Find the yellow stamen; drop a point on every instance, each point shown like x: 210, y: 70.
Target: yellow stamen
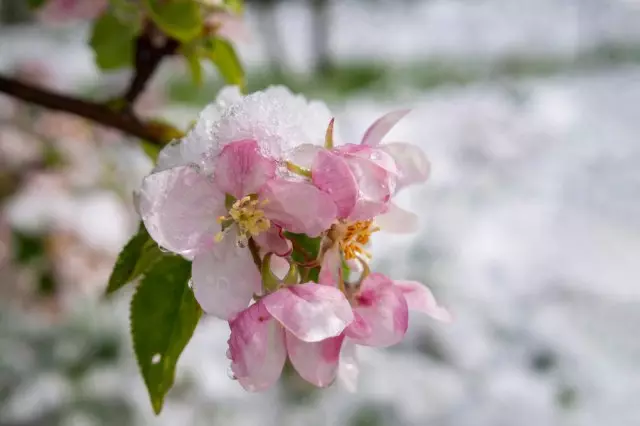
x: 247, y: 214
x: 356, y: 237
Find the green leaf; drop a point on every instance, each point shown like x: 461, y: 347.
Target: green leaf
x: 235, y: 6
x: 180, y: 19
x: 27, y: 247
x: 224, y: 57
x: 305, y: 248
x: 112, y: 42
x: 152, y: 150
x: 195, y: 67
x: 34, y: 4
x: 164, y: 314
x: 140, y: 253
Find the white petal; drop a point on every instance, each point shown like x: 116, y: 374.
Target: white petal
x: 179, y: 207
x: 411, y: 162
x: 398, y: 220
x: 316, y: 362
x: 225, y: 279
x: 348, y: 370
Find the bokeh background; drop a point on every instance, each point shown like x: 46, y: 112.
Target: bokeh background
x: 530, y: 232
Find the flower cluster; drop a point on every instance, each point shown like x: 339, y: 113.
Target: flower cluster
x: 235, y: 196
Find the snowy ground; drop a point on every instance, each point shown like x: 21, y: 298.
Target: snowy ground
x: 530, y: 235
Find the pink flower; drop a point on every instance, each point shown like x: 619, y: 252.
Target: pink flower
x: 381, y: 316
x: 305, y: 321
x: 58, y: 11
x: 210, y: 209
x: 361, y: 179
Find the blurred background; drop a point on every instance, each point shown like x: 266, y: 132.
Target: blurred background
x: 530, y: 233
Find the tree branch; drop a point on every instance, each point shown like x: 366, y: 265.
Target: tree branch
x: 147, y: 58
x: 99, y: 113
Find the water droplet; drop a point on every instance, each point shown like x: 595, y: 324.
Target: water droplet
x: 156, y: 358
x: 164, y: 250
x: 229, y: 353
x: 190, y: 284
x: 230, y: 373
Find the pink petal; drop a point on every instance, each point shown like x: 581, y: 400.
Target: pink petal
x: 298, y: 207
x: 377, y: 156
x: 310, y: 311
x: 398, y: 220
x: 241, y: 170
x: 331, y: 268
x: 375, y: 185
x: 316, y: 362
x: 179, y: 207
x: 225, y: 279
x: 378, y: 130
x: 256, y: 348
x: 381, y: 311
x: 273, y: 241
x: 348, y: 370
x: 420, y: 298
x: 413, y: 165
x: 331, y: 173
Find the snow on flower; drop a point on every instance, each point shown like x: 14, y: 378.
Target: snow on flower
x: 253, y: 175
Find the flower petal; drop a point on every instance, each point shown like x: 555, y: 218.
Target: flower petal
x: 331, y: 173
x: 331, y: 268
x: 398, y: 220
x: 375, y: 186
x: 304, y: 155
x: 179, y: 207
x: 378, y: 130
x: 241, y: 169
x: 256, y: 348
x: 348, y: 370
x: 316, y: 362
x: 224, y: 279
x: 272, y: 241
x: 381, y: 311
x: 413, y: 165
x: 420, y: 298
x: 298, y: 207
x: 310, y: 311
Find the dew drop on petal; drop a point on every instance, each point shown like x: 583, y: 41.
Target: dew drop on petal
x: 228, y: 353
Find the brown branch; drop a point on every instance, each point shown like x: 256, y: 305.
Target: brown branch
x: 147, y: 59
x: 99, y: 113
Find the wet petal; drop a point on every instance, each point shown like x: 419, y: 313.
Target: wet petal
x: 316, y: 362
x: 179, y: 207
x: 311, y: 312
x: 257, y: 348
x: 272, y: 241
x: 381, y: 311
x: 304, y: 155
x: 298, y: 207
x: 378, y: 130
x: 348, y: 369
x: 331, y: 268
x: 413, y: 165
x: 420, y: 298
x: 398, y: 220
x: 375, y: 185
x: 225, y: 279
x: 241, y: 169
x: 332, y: 174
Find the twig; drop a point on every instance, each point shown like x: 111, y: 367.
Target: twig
x: 123, y: 121
x: 147, y: 58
